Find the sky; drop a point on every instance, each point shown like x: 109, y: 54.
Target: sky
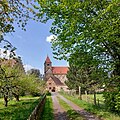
x: 33, y: 45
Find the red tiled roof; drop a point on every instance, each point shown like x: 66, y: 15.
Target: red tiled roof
x: 59, y: 70
x: 47, y: 60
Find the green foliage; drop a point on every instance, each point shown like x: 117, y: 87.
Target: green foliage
x: 32, y: 85
x: 117, y: 98
x: 14, y: 81
x: 112, y: 101
x: 87, y: 34
x: 48, y: 93
x: 15, y: 11
x: 35, y: 72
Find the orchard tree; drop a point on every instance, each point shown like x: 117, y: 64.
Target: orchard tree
x: 33, y: 85
x: 11, y: 72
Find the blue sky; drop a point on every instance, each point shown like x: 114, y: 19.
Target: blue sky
x: 32, y: 45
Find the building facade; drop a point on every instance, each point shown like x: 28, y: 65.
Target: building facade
x: 55, y: 76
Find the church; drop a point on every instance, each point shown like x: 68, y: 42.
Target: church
x: 55, y: 76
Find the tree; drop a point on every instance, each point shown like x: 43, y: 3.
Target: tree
x: 33, y: 85
x: 35, y: 72
x: 85, y: 72
x: 11, y: 71
x: 89, y: 25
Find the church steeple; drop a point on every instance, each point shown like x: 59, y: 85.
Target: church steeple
x: 48, y: 60
x: 47, y: 65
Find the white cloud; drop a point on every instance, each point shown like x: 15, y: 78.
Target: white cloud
x: 28, y: 67
x: 51, y: 38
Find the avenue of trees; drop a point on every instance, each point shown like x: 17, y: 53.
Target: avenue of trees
x: 88, y: 37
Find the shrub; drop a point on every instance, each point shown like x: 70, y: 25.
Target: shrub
x: 112, y: 101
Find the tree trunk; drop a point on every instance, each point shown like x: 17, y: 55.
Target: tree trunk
x: 94, y: 97
x: 80, y: 95
x: 5, y: 100
x: 17, y: 97
x: 86, y: 96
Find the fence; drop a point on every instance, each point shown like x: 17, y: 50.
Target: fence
x: 38, y: 110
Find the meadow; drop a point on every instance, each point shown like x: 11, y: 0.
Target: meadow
x: 18, y: 110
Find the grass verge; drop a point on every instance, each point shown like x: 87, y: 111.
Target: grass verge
x: 99, y: 111
x: 71, y: 114
x: 18, y: 110
x: 48, y: 109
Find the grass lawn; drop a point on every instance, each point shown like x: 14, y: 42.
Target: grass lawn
x: 18, y: 110
x: 90, y: 98
x: 48, y: 109
x: 99, y: 111
x: 72, y: 114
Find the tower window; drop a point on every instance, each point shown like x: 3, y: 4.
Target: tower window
x: 48, y: 64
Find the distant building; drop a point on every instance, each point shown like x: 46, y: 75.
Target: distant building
x: 55, y: 76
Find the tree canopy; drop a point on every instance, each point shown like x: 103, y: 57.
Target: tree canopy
x: 15, y: 11
x: 87, y: 27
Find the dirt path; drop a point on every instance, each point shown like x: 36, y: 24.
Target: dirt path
x: 59, y: 113
x: 84, y: 113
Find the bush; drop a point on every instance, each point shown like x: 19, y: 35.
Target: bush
x: 117, y: 98
x: 112, y: 101
x: 48, y: 93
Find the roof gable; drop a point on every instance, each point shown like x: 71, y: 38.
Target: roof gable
x: 56, y: 81
x: 59, y: 70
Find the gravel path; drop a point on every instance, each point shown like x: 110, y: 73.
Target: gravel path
x: 59, y: 113
x: 82, y: 112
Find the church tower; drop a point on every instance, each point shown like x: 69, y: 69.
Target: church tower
x: 47, y: 68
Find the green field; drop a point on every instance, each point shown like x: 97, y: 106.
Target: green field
x: 18, y: 110
x: 90, y: 98
x: 98, y: 110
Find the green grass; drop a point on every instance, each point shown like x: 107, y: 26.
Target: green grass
x: 90, y: 98
x: 99, y: 111
x: 71, y: 114
x: 18, y: 110
x: 48, y: 109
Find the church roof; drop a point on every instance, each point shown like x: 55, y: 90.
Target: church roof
x: 59, y: 70
x: 57, y: 81
x: 47, y: 60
